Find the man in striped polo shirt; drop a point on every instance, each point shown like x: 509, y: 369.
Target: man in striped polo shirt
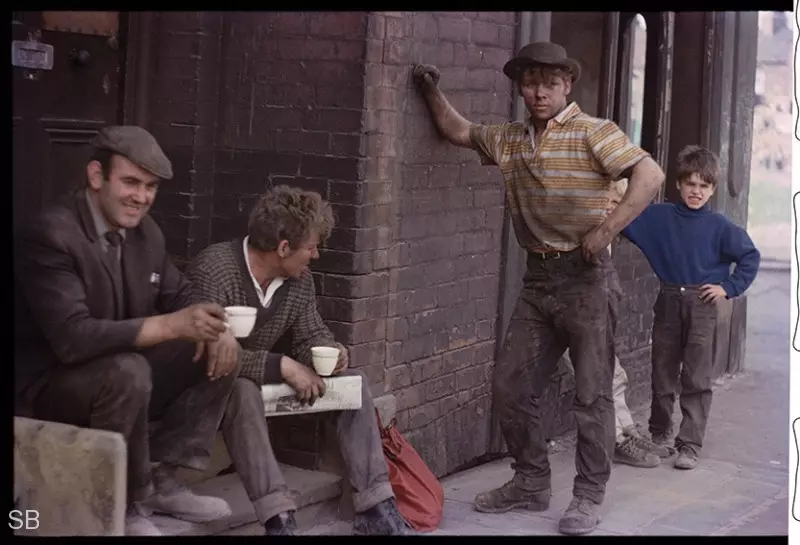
x: 557, y: 166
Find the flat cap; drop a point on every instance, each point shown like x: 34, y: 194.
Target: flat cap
x: 138, y: 146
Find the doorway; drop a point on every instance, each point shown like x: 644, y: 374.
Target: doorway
x: 56, y: 112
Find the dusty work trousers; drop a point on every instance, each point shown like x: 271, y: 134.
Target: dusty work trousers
x: 622, y: 414
x: 683, y: 331
x: 564, y: 303
x: 246, y: 435
x: 124, y: 392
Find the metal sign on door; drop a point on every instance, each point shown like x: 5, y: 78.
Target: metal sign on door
x: 31, y: 55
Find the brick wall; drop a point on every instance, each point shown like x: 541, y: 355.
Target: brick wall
x: 410, y: 278
x: 183, y: 93
x: 446, y: 228
x: 245, y: 101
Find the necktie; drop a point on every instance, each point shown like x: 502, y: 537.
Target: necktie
x: 113, y: 260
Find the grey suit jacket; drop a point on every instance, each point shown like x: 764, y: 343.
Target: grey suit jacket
x: 65, y: 310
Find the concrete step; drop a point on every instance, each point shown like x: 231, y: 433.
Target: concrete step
x: 316, y: 494
x: 319, y: 519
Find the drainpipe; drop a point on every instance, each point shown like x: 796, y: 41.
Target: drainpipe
x: 523, y: 39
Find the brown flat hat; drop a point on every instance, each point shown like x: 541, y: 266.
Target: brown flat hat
x: 541, y: 53
x: 136, y: 145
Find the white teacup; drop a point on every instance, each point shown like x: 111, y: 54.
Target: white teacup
x: 240, y: 320
x: 325, y: 359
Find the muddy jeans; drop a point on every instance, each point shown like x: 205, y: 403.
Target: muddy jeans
x: 244, y: 429
x: 124, y: 392
x: 683, y: 331
x: 564, y: 303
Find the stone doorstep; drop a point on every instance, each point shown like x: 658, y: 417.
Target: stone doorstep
x: 316, y: 494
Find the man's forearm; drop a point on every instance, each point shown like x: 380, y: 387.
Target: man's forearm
x: 450, y: 124
x: 644, y: 183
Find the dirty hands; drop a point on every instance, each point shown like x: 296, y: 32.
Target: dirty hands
x: 303, y: 380
x: 595, y: 241
x: 201, y: 323
x: 426, y: 76
x: 223, y: 355
x: 710, y: 293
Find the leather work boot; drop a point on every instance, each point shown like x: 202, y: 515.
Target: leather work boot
x: 509, y: 497
x: 628, y: 452
x: 381, y: 520
x: 283, y: 524
x: 581, y: 517
x: 174, y: 499
x: 686, y: 459
x: 661, y: 450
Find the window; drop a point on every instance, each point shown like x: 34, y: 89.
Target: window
x: 637, y: 38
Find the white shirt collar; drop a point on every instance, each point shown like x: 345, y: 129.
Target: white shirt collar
x: 264, y: 297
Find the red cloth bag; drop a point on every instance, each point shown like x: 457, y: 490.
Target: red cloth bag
x: 419, y: 496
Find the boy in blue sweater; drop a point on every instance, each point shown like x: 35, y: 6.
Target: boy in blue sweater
x: 690, y: 248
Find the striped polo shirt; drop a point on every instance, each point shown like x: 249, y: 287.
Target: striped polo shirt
x: 557, y: 192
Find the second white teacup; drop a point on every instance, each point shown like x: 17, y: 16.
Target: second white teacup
x: 324, y: 359
x: 240, y: 320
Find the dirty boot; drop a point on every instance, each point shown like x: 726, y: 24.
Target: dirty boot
x: 662, y: 441
x: 138, y: 523
x: 660, y: 450
x: 174, y: 499
x: 686, y: 459
x: 281, y: 525
x: 628, y: 452
x: 581, y: 517
x: 509, y: 497
x: 381, y: 520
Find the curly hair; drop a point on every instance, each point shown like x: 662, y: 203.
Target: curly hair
x: 700, y: 161
x: 291, y: 214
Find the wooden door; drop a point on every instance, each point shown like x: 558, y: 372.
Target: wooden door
x: 56, y: 112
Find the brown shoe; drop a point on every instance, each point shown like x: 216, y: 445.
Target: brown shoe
x: 661, y: 450
x: 581, y: 517
x: 628, y: 452
x: 686, y: 459
x: 509, y: 497
x: 662, y: 441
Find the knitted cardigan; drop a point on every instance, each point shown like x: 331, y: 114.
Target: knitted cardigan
x: 219, y: 274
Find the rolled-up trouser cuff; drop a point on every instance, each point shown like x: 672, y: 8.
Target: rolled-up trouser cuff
x: 372, y: 497
x: 273, y: 504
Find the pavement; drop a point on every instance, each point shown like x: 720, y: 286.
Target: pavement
x: 740, y: 486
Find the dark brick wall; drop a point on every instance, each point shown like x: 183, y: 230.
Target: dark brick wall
x: 447, y: 226
x: 183, y: 85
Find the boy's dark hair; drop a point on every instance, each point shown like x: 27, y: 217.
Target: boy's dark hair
x: 698, y: 160
x: 288, y: 213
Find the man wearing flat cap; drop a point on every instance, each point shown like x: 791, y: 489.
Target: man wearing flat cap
x: 558, y: 166
x: 109, y: 335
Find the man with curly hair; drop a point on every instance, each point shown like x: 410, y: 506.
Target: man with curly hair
x: 268, y: 270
